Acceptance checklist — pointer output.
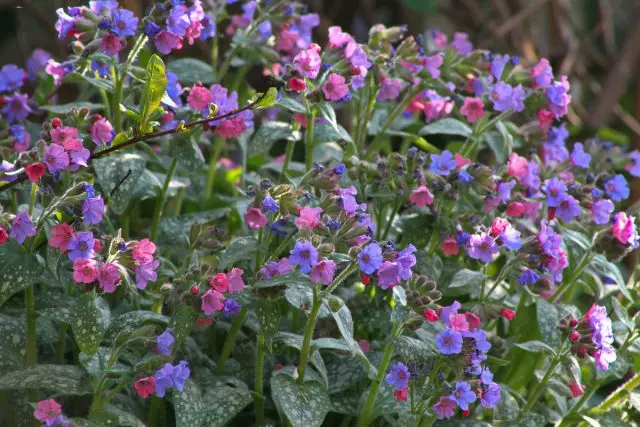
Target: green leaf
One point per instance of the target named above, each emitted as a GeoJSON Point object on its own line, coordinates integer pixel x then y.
{"type": "Point", "coordinates": [575, 238]}
{"type": "Point", "coordinates": [327, 112]}
{"type": "Point", "coordinates": [175, 230]}
{"type": "Point", "coordinates": [413, 350]}
{"type": "Point", "coordinates": [268, 314]}
{"type": "Point", "coordinates": [182, 323]}
{"type": "Point", "coordinates": [67, 108]}
{"type": "Point", "coordinates": [241, 248]}
{"type": "Point", "coordinates": [291, 105]}
{"type": "Point", "coordinates": [111, 415]}
{"type": "Point", "coordinates": [122, 170]}
{"type": "Point", "coordinates": [535, 347]}
{"type": "Point", "coordinates": [63, 379]}
{"type": "Point", "coordinates": [386, 403]}
{"type": "Point", "coordinates": [190, 157]}
{"type": "Point", "coordinates": [294, 277]}
{"type": "Point", "coordinates": [189, 405]}
{"type": "Point", "coordinates": [301, 297]}
{"type": "Point", "coordinates": [304, 405]}
{"type": "Point", "coordinates": [448, 126]}
{"type": "Point", "coordinates": [621, 312]}
{"type": "Point", "coordinates": [507, 141]}
{"type": "Point", "coordinates": [609, 269]}
{"type": "Point", "coordinates": [191, 70]}
{"type": "Point", "coordinates": [134, 320]}
{"type": "Point", "coordinates": [343, 373]}
{"type": "Point", "coordinates": [548, 319]}
{"type": "Point", "coordinates": [467, 277]}
{"type": "Point", "coordinates": [267, 135]}
{"type": "Point", "coordinates": [153, 91]}
{"type": "Point", "coordinates": [90, 321]}
{"type": "Point", "coordinates": [224, 403]}
{"type": "Point", "coordinates": [18, 270]}
{"type": "Point", "coordinates": [342, 315]}
{"type": "Point", "coordinates": [269, 99]}
{"type": "Point", "coordinates": [99, 83]}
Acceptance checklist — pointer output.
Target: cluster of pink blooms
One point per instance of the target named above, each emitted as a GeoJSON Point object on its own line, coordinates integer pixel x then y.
{"type": "Point", "coordinates": [213, 299]}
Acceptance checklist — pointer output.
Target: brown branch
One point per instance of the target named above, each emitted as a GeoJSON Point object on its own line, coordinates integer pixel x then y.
{"type": "Point", "coordinates": [178, 129]}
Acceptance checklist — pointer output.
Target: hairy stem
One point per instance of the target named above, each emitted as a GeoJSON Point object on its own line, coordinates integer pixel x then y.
{"type": "Point", "coordinates": [230, 340]}
{"type": "Point", "coordinates": [258, 381]}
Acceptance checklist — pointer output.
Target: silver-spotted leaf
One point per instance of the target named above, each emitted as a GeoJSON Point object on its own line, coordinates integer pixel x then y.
{"type": "Point", "coordinates": [18, 270]}
{"type": "Point", "coordinates": [223, 403]}
{"type": "Point", "coordinates": [304, 405]}
{"type": "Point", "coordinates": [122, 171]}
{"type": "Point", "coordinates": [63, 379]}
{"type": "Point", "coordinates": [188, 405]}
{"type": "Point", "coordinates": [90, 320]}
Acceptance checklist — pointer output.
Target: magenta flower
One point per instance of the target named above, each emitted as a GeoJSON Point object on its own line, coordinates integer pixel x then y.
{"type": "Point", "coordinates": [624, 229]}
{"type": "Point", "coordinates": [335, 88]}
{"type": "Point", "coordinates": [421, 196]}
{"type": "Point", "coordinates": [472, 109]}
{"type": "Point", "coordinates": [165, 42]}
{"type": "Point", "coordinates": [307, 63]}
{"type": "Point", "coordinates": [254, 218]}
{"type": "Point", "coordinates": [61, 234]}
{"type": "Point", "coordinates": [47, 410]}
{"type": "Point", "coordinates": [22, 227]}
{"type": "Point", "coordinates": [389, 89]}
{"type": "Point", "coordinates": [85, 270]}
{"type": "Point", "coordinates": [338, 38]}
{"type": "Point", "coordinates": [323, 272]}
{"type": "Point", "coordinates": [517, 166]}
{"type": "Point", "coordinates": [211, 301]}
{"type": "Point", "coordinates": [108, 277]}
{"type": "Point", "coordinates": [445, 408]}
{"type": "Point", "coordinates": [236, 284]}
{"type": "Point", "coordinates": [432, 64]}
{"type": "Point", "coordinates": [110, 44]}
{"type": "Point", "coordinates": [199, 98]}
{"type": "Point", "coordinates": [101, 131]}
{"type": "Point", "coordinates": [143, 251]}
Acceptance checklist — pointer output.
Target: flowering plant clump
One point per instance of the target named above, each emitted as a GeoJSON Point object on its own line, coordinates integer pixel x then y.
{"type": "Point", "coordinates": [395, 231]}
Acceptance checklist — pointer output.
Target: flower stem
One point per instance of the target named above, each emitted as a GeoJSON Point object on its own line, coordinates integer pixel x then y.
{"type": "Point", "coordinates": [291, 145]}
{"type": "Point", "coordinates": [308, 141]}
{"type": "Point", "coordinates": [218, 143]}
{"type": "Point", "coordinates": [583, 399]}
{"type": "Point", "coordinates": [584, 262]}
{"type": "Point", "coordinates": [230, 340]}
{"type": "Point", "coordinates": [157, 213]}
{"type": "Point", "coordinates": [308, 334]}
{"type": "Point", "coordinates": [617, 396]}
{"type": "Point", "coordinates": [375, 385]}
{"type": "Point", "coordinates": [537, 391]}
{"type": "Point", "coordinates": [259, 387]}
{"type": "Point", "coordinates": [31, 358]}
{"type": "Point", "coordinates": [156, 410]}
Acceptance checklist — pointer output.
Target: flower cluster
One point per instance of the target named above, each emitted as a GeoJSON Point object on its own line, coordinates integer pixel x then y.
{"type": "Point", "coordinates": [592, 335]}
{"type": "Point", "coordinates": [167, 377]}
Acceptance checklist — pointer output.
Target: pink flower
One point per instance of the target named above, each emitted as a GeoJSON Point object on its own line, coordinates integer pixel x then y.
{"type": "Point", "coordinates": [624, 229]}
{"type": "Point", "coordinates": [323, 272]}
{"type": "Point", "coordinates": [515, 209]}
{"type": "Point", "coordinates": [236, 284]}
{"type": "Point", "coordinates": [577, 390]}
{"type": "Point", "coordinates": [517, 166]}
{"type": "Point", "coordinates": [199, 98]}
{"type": "Point", "coordinates": [307, 62]}
{"type": "Point", "coordinates": [458, 322]}
{"type": "Point", "coordinates": [212, 301]}
{"type": "Point", "coordinates": [85, 270]}
{"type": "Point", "coordinates": [545, 117]}
{"type": "Point", "coordinates": [421, 196]}
{"type": "Point", "coordinates": [364, 346]}
{"type": "Point", "coordinates": [254, 218]}
{"type": "Point", "coordinates": [450, 247]}
{"type": "Point", "coordinates": [193, 32]}
{"type": "Point", "coordinates": [58, 135]}
{"type": "Point", "coordinates": [60, 236]}
{"type": "Point", "coordinates": [166, 41]}
{"type": "Point", "coordinates": [308, 217]}
{"type": "Point", "coordinates": [101, 131]}
{"type": "Point", "coordinates": [232, 128]}
{"type": "Point", "coordinates": [110, 44]}
{"type": "Point", "coordinates": [47, 410]}
{"type": "Point", "coordinates": [143, 251]}
{"type": "Point", "coordinates": [297, 84]}
{"type": "Point", "coordinates": [498, 226]}
{"type": "Point", "coordinates": [338, 38]}
{"type": "Point", "coordinates": [56, 70]}
{"type": "Point", "coordinates": [145, 386]}
{"type": "Point", "coordinates": [335, 88]}
{"type": "Point", "coordinates": [461, 161]}
{"type": "Point", "coordinates": [108, 277]}
{"type": "Point", "coordinates": [472, 109]}
{"type": "Point", "coordinates": [219, 282]}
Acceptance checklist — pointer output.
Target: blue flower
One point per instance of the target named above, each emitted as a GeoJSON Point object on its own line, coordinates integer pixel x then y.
{"type": "Point", "coordinates": [601, 211]}
{"type": "Point", "coordinates": [92, 209]}
{"type": "Point", "coordinates": [497, 65]}
{"type": "Point", "coordinates": [406, 260]}
{"type": "Point", "coordinates": [181, 373]}
{"type": "Point", "coordinates": [398, 376]}
{"type": "Point", "coordinates": [304, 255]}
{"type": "Point", "coordinates": [11, 78]}
{"type": "Point", "coordinates": [568, 209]}
{"type": "Point", "coordinates": [443, 164]}
{"type": "Point", "coordinates": [278, 227]}
{"type": "Point", "coordinates": [164, 379]}
{"type": "Point", "coordinates": [504, 190]}
{"type": "Point", "coordinates": [334, 225]}
{"type": "Point", "coordinates": [463, 395]}
{"type": "Point", "coordinates": [502, 97]}
{"type": "Point", "coordinates": [464, 176]}
{"type": "Point", "coordinates": [491, 395]}
{"type": "Point", "coordinates": [449, 341]}
{"type": "Point", "coordinates": [81, 245]}
{"type": "Point", "coordinates": [22, 227]}
{"type": "Point", "coordinates": [340, 169]}
{"type": "Point", "coordinates": [124, 23]}
{"type": "Point", "coordinates": [151, 29]}
{"type": "Point", "coordinates": [555, 190]}
{"type": "Point", "coordinates": [269, 205]}
{"type": "Point", "coordinates": [370, 258]}
{"type": "Point", "coordinates": [617, 188]}
{"type": "Point", "coordinates": [579, 157]}
{"type": "Point", "coordinates": [231, 308]}
{"type": "Point", "coordinates": [165, 341]}
{"type": "Point", "coordinates": [528, 277]}
{"type": "Point", "coordinates": [511, 238]}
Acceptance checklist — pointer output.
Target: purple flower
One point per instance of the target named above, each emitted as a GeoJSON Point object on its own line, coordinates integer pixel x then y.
{"type": "Point", "coordinates": [178, 21]}
{"type": "Point", "coordinates": [490, 395]}
{"type": "Point", "coordinates": [398, 376]}
{"type": "Point", "coordinates": [78, 158]}
{"type": "Point", "coordinates": [323, 272]}
{"type": "Point", "coordinates": [497, 65]}
{"type": "Point", "coordinates": [486, 376]}
{"type": "Point", "coordinates": [504, 190]}
{"type": "Point", "coordinates": [447, 311]}
{"type": "Point", "coordinates": [388, 274]}
{"type": "Point", "coordinates": [528, 277]}
{"type": "Point", "coordinates": [269, 205]}
{"type": "Point", "coordinates": [36, 62]}
{"type": "Point", "coordinates": [461, 43]}
{"type": "Point", "coordinates": [432, 64]}
{"type": "Point", "coordinates": [146, 273]}
{"type": "Point", "coordinates": [555, 190]}
{"type": "Point", "coordinates": [511, 238]}
{"type": "Point", "coordinates": [449, 341]}
{"type": "Point", "coordinates": [231, 308]}
{"type": "Point", "coordinates": [634, 166]}
{"type": "Point", "coordinates": [617, 188]}
{"type": "Point", "coordinates": [166, 41]}
{"type": "Point", "coordinates": [92, 209]}
{"type": "Point", "coordinates": [502, 97]}
{"type": "Point", "coordinates": [445, 408]}
{"type": "Point", "coordinates": [16, 108]}
{"type": "Point", "coordinates": [443, 164]}
{"type": "Point", "coordinates": [370, 258]}
{"type": "Point", "coordinates": [601, 211]}
{"type": "Point", "coordinates": [348, 200]}
{"type": "Point", "coordinates": [164, 379]}
{"type": "Point", "coordinates": [518, 98]}
{"type": "Point", "coordinates": [463, 395]}
{"type": "Point", "coordinates": [579, 157]}
{"type": "Point", "coordinates": [103, 7]}
{"type": "Point", "coordinates": [22, 227]}
{"type": "Point", "coordinates": [568, 209]}
{"type": "Point", "coordinates": [181, 373]}
{"type": "Point", "coordinates": [55, 158]}
{"type": "Point", "coordinates": [304, 255]}
{"type": "Point", "coordinates": [406, 260]}
{"type": "Point", "coordinates": [165, 341]}
{"type": "Point", "coordinates": [389, 89]}
{"type": "Point", "coordinates": [274, 269]}
{"type": "Point", "coordinates": [209, 27]}
{"type": "Point", "coordinates": [11, 78]}
{"type": "Point", "coordinates": [482, 246]}
{"type": "Point", "coordinates": [64, 24]}
{"type": "Point", "coordinates": [151, 29]}
{"type": "Point", "coordinates": [81, 245]}
{"type": "Point", "coordinates": [124, 23]}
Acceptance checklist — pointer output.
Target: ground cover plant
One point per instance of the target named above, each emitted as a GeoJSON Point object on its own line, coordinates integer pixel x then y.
{"type": "Point", "coordinates": [398, 231]}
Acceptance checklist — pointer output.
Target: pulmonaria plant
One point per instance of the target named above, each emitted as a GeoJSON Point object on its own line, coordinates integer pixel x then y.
{"type": "Point", "coordinates": [177, 238]}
